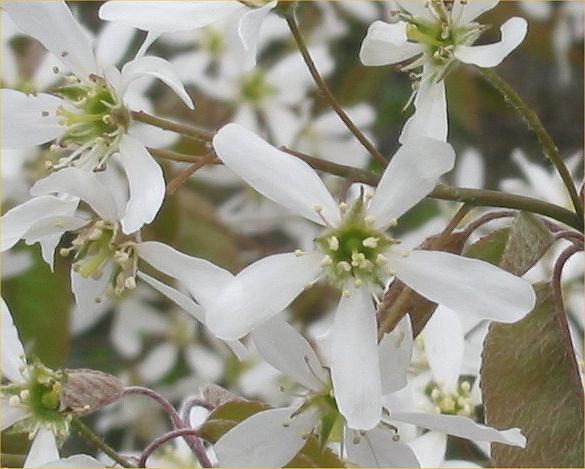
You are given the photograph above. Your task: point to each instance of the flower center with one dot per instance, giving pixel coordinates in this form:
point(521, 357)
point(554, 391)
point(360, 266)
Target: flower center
point(254, 87)
point(94, 119)
point(457, 402)
point(355, 250)
point(96, 246)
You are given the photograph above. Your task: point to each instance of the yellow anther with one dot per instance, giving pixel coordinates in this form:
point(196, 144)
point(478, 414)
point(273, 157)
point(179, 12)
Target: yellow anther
point(333, 243)
point(370, 242)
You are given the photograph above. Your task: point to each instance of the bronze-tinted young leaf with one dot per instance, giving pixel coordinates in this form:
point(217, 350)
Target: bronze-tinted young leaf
point(311, 455)
point(529, 381)
point(491, 247)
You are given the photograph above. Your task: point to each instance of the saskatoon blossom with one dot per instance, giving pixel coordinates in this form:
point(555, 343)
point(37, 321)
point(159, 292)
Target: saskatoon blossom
point(436, 35)
point(355, 253)
point(87, 118)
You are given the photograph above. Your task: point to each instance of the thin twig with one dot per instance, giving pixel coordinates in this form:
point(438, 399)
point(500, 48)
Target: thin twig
point(192, 402)
point(173, 155)
point(488, 217)
point(193, 441)
point(320, 82)
point(99, 443)
point(184, 129)
point(174, 184)
point(156, 444)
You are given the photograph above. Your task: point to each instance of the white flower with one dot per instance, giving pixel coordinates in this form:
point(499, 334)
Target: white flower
point(170, 17)
point(31, 399)
point(77, 460)
point(435, 35)
point(355, 253)
point(88, 117)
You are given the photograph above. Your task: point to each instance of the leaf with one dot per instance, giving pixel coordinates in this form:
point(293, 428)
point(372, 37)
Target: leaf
point(515, 249)
point(227, 416)
point(528, 381)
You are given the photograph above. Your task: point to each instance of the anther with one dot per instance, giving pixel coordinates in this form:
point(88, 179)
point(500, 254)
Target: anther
point(298, 253)
point(326, 261)
point(14, 401)
point(370, 242)
point(333, 243)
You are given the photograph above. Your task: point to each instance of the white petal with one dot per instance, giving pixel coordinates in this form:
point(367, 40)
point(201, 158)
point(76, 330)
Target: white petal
point(147, 185)
point(377, 449)
point(91, 303)
point(260, 291)
point(24, 122)
point(43, 449)
point(207, 365)
point(430, 448)
point(472, 10)
point(281, 177)
point(387, 44)
point(170, 16)
point(249, 28)
point(444, 343)
point(267, 439)
point(176, 296)
point(430, 115)
point(12, 351)
point(489, 55)
point(395, 352)
point(17, 221)
point(417, 8)
point(203, 279)
point(288, 351)
point(465, 285)
point(53, 25)
point(462, 427)
point(158, 362)
point(113, 42)
point(410, 176)
point(158, 68)
point(470, 170)
point(10, 414)
point(355, 368)
point(79, 183)
point(77, 460)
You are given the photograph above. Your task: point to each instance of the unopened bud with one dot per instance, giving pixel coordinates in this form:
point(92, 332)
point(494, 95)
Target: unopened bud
point(86, 391)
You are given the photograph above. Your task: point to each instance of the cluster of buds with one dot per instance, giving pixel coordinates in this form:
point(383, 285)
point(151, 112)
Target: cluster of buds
point(94, 119)
point(456, 402)
point(354, 250)
point(99, 245)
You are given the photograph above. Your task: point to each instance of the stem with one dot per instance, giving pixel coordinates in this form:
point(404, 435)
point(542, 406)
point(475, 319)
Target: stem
point(560, 313)
point(193, 441)
point(151, 448)
point(173, 155)
point(188, 130)
point(475, 224)
point(174, 184)
point(296, 32)
point(194, 402)
point(549, 148)
point(99, 443)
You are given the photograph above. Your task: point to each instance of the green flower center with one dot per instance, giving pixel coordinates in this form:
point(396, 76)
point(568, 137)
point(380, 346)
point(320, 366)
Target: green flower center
point(254, 87)
point(457, 402)
point(355, 250)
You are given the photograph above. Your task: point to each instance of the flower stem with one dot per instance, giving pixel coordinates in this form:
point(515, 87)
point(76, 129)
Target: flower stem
point(174, 184)
point(95, 440)
point(296, 32)
point(549, 148)
point(151, 448)
point(192, 440)
point(184, 129)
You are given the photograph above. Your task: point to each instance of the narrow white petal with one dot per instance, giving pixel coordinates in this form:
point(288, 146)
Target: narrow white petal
point(176, 297)
point(147, 185)
point(355, 368)
point(430, 115)
point(470, 170)
point(462, 427)
point(267, 439)
point(377, 449)
point(410, 176)
point(288, 351)
point(17, 221)
point(203, 279)
point(430, 448)
point(395, 352)
point(169, 16)
point(53, 25)
point(113, 42)
point(157, 68)
point(79, 183)
point(260, 291)
point(281, 177)
point(444, 344)
point(249, 28)
point(158, 362)
point(387, 44)
point(91, 303)
point(12, 352)
point(465, 285)
point(43, 449)
point(513, 33)
point(28, 120)
point(10, 414)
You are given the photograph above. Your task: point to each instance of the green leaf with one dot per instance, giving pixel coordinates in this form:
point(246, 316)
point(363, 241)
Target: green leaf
point(228, 415)
point(530, 381)
point(491, 247)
